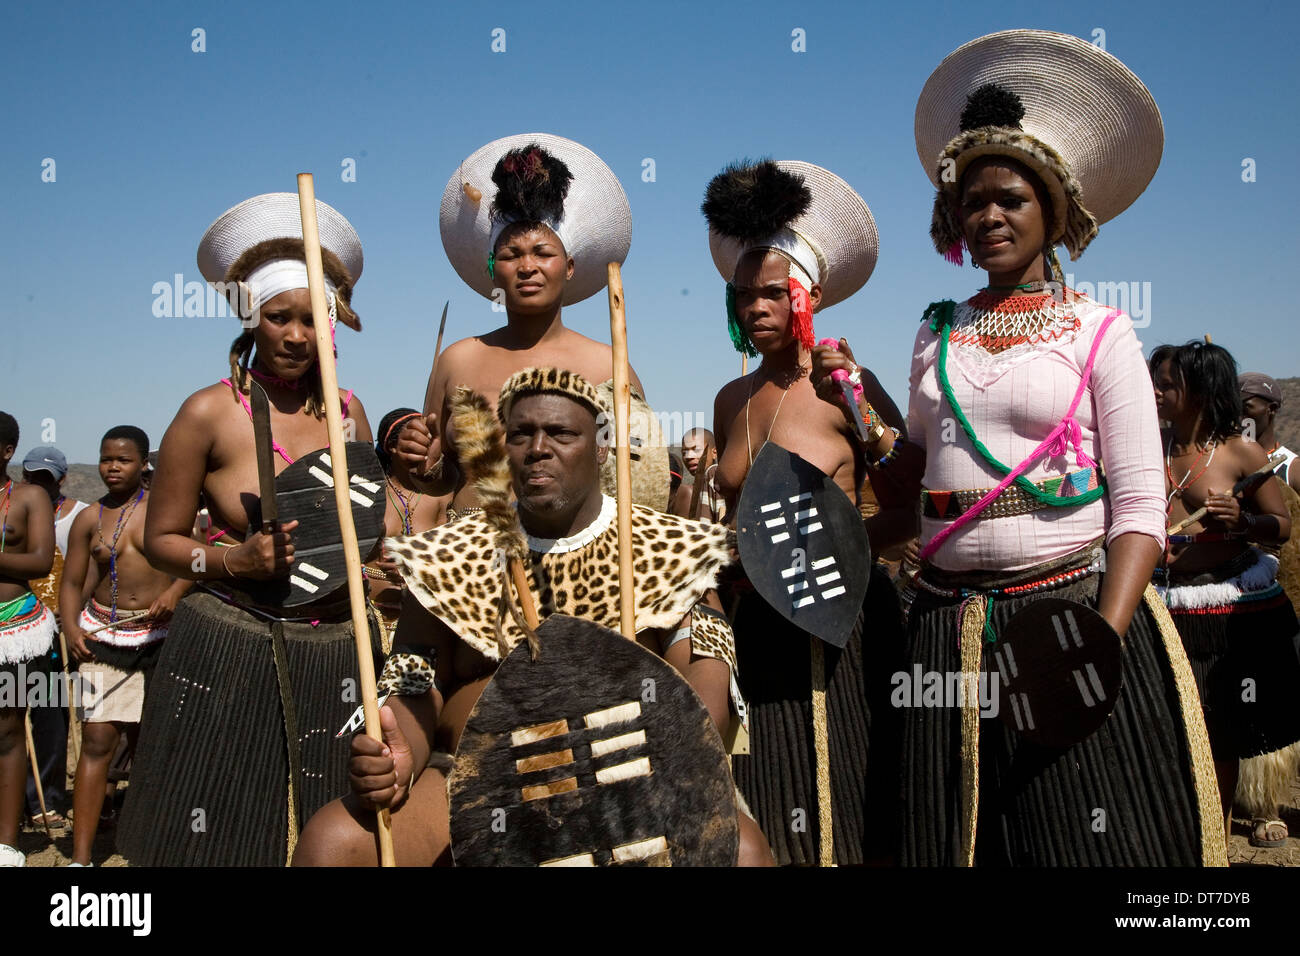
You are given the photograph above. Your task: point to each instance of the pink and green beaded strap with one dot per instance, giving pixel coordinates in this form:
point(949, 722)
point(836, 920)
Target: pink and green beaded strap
point(1065, 435)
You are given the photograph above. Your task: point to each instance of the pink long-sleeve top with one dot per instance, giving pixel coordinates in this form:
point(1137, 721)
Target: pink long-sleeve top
point(1013, 400)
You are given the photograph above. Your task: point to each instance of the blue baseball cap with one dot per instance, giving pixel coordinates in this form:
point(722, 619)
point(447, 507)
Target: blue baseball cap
point(46, 458)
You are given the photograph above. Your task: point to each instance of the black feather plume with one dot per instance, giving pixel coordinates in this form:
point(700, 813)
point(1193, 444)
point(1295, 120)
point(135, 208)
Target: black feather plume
point(992, 105)
point(749, 201)
point(531, 186)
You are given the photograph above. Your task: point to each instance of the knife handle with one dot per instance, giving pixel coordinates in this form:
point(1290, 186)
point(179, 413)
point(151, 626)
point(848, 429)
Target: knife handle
point(839, 375)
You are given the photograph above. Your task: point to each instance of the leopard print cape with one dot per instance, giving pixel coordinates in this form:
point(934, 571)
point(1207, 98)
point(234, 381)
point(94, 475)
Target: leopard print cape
point(455, 572)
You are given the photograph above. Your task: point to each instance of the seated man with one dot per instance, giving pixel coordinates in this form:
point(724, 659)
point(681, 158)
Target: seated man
point(452, 613)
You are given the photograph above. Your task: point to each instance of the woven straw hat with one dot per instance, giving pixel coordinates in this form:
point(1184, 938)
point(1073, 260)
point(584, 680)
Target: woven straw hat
point(274, 216)
point(837, 225)
point(597, 224)
point(1078, 100)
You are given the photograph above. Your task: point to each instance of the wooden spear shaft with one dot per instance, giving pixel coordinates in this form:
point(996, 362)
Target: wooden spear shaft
point(623, 451)
point(339, 467)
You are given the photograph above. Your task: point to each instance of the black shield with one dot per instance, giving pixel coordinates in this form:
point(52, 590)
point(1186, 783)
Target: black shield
point(305, 492)
point(597, 753)
point(1061, 669)
point(803, 545)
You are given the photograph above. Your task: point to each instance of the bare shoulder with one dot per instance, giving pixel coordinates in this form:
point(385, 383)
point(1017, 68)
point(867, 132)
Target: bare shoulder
point(729, 399)
point(466, 348)
point(207, 403)
point(1248, 454)
point(82, 522)
point(28, 495)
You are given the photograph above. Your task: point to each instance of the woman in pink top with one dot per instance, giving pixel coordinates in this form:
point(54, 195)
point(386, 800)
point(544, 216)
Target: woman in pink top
point(1017, 397)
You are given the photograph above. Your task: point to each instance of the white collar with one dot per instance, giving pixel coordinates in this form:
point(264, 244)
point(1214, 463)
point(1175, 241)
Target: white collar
point(608, 511)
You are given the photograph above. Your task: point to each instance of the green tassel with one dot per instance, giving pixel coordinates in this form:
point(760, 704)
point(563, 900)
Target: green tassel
point(492, 265)
point(988, 621)
point(738, 337)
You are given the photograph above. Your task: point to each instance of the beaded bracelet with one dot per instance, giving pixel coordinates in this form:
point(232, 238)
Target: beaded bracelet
point(890, 455)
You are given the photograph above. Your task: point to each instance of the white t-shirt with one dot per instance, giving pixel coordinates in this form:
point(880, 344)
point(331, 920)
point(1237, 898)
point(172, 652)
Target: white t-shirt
point(1283, 470)
point(63, 527)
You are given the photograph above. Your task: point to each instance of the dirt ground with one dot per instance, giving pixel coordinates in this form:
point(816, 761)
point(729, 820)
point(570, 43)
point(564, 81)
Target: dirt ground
point(41, 852)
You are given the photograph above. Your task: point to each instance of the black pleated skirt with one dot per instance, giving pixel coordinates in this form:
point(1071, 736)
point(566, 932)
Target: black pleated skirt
point(1125, 796)
point(778, 777)
point(209, 786)
point(1247, 670)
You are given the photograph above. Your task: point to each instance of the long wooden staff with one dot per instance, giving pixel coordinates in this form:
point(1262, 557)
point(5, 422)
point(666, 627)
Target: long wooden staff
point(623, 451)
point(36, 773)
point(74, 726)
point(1273, 461)
point(339, 466)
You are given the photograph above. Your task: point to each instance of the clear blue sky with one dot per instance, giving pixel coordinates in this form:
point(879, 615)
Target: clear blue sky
point(152, 141)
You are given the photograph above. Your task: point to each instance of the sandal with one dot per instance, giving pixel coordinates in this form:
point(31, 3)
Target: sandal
point(1259, 822)
point(53, 818)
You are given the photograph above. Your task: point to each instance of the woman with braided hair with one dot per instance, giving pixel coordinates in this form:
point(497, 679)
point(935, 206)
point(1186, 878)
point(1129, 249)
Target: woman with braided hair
point(236, 723)
point(1018, 396)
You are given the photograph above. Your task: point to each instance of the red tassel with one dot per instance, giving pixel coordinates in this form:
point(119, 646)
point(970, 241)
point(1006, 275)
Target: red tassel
point(953, 254)
point(801, 314)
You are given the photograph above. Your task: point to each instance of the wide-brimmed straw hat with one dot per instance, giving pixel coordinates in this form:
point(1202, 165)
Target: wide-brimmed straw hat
point(837, 225)
point(274, 216)
point(274, 219)
point(596, 228)
point(1090, 128)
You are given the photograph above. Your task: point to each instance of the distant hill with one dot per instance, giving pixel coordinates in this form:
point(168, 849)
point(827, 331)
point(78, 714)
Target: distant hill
point(83, 483)
point(83, 480)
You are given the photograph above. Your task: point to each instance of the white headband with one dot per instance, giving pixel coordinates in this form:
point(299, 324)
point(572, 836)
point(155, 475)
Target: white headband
point(279, 275)
point(803, 257)
point(499, 227)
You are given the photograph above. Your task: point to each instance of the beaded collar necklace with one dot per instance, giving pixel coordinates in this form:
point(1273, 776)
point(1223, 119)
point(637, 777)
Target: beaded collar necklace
point(123, 519)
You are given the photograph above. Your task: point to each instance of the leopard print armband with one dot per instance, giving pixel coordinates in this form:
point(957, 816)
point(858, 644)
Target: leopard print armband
point(711, 636)
point(408, 672)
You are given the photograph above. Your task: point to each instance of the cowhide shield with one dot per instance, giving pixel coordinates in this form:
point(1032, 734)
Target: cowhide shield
point(596, 754)
point(1061, 669)
point(803, 545)
point(305, 492)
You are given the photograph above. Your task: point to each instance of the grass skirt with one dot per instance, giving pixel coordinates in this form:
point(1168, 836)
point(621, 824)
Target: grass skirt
point(778, 777)
point(210, 782)
point(1125, 796)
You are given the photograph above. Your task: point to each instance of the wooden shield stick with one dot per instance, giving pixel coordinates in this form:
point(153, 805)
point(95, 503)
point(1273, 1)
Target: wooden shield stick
point(623, 450)
point(36, 773)
point(339, 466)
point(74, 726)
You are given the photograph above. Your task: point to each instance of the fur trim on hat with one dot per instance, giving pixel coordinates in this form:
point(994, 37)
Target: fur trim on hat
point(548, 381)
point(290, 248)
point(1072, 224)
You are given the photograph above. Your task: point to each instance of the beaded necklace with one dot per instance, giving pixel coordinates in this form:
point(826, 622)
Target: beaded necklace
point(58, 505)
point(995, 321)
point(274, 379)
point(939, 315)
point(123, 518)
point(4, 518)
point(406, 505)
point(799, 373)
point(1180, 486)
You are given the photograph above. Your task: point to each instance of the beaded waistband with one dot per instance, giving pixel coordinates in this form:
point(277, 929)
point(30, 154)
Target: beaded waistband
point(1014, 500)
point(1041, 577)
